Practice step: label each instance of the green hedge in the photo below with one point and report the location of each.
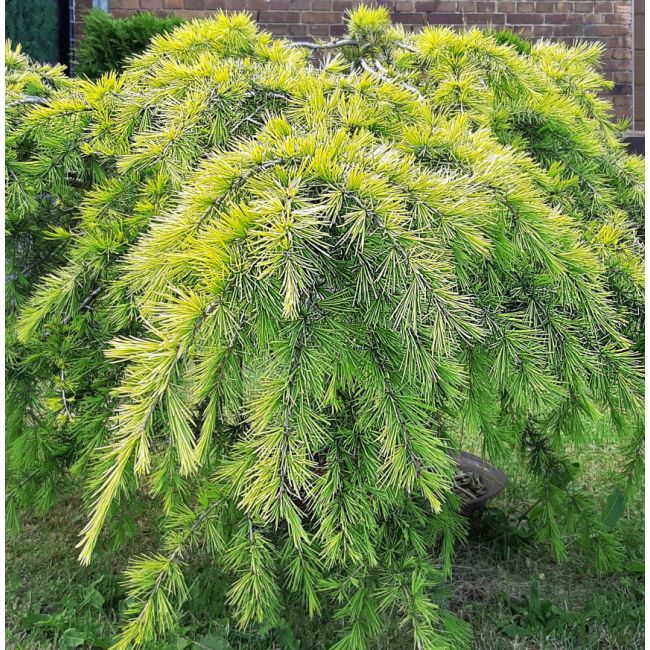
(508, 37)
(108, 42)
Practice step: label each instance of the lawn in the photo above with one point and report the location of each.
(514, 596)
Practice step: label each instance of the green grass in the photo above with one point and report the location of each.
(53, 603)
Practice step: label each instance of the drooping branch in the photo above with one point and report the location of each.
(133, 628)
(416, 461)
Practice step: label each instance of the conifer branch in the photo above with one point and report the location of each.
(345, 42)
(16, 489)
(237, 185)
(85, 305)
(288, 404)
(29, 99)
(415, 460)
(216, 387)
(64, 398)
(407, 47)
(386, 79)
(248, 118)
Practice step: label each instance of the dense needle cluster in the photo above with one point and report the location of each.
(283, 287)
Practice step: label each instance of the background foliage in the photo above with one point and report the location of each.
(35, 24)
(108, 42)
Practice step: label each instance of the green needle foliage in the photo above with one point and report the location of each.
(36, 217)
(286, 291)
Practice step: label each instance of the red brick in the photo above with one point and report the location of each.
(280, 29)
(279, 17)
(318, 17)
(250, 5)
(485, 19)
(322, 5)
(322, 31)
(624, 77)
(526, 31)
(173, 4)
(194, 5)
(554, 19)
(621, 53)
(445, 19)
(605, 30)
(539, 31)
(191, 14)
(125, 4)
(623, 89)
(298, 5)
(404, 5)
(524, 19)
(619, 41)
(418, 18)
(450, 6)
(583, 7)
(486, 7)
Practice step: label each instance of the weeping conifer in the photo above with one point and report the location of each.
(282, 291)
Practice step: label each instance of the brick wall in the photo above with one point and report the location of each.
(80, 8)
(609, 21)
(639, 65)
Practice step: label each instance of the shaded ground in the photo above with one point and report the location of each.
(513, 597)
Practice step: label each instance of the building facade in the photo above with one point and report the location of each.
(617, 23)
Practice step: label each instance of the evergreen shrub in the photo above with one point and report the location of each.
(510, 37)
(107, 42)
(286, 292)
